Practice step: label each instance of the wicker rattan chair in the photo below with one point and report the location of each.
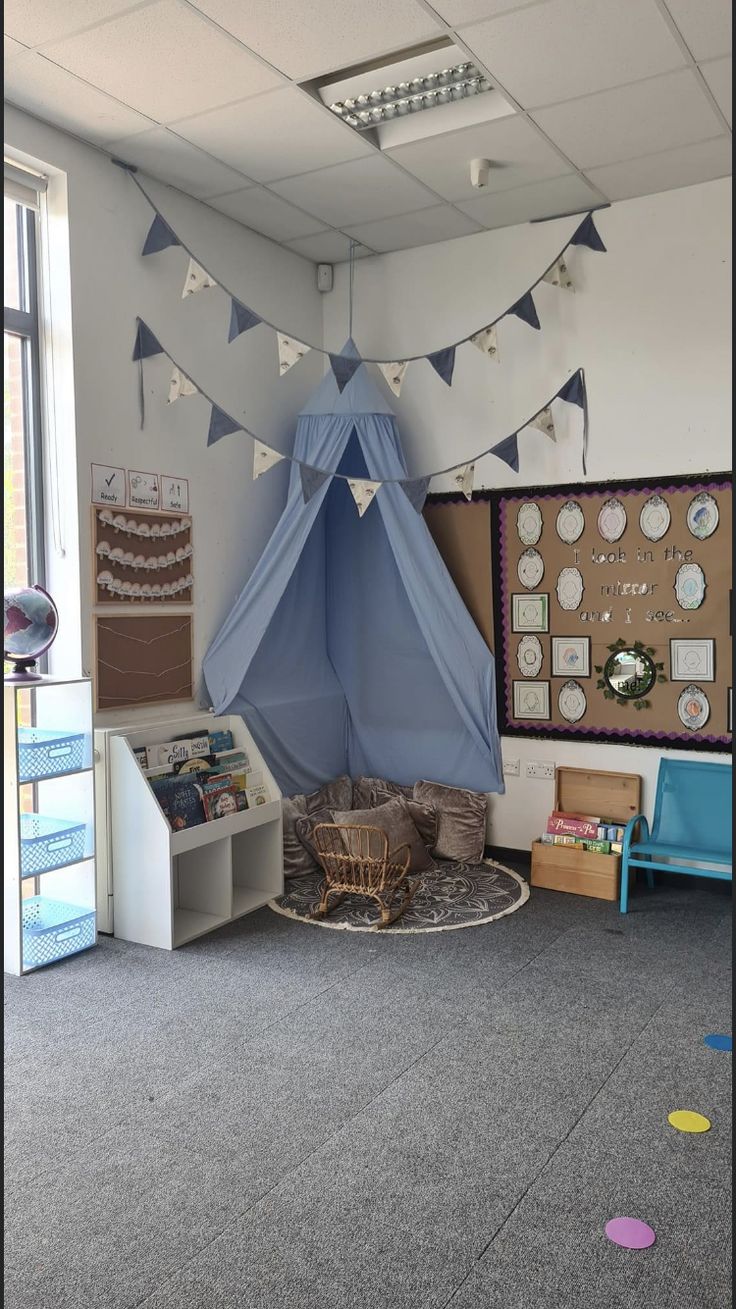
(356, 861)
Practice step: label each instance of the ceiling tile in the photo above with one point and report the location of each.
(459, 13)
(164, 60)
(642, 119)
(34, 84)
(326, 248)
(275, 135)
(718, 76)
(664, 172)
(167, 157)
(569, 48)
(306, 39)
(47, 20)
(423, 228)
(11, 49)
(518, 152)
(356, 192)
(266, 213)
(705, 25)
(558, 195)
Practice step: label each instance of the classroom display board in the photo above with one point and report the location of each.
(142, 558)
(142, 659)
(604, 586)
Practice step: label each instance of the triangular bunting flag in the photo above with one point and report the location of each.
(241, 319)
(573, 391)
(160, 237)
(221, 424)
(463, 479)
(587, 234)
(197, 279)
(180, 385)
(443, 362)
(363, 492)
(525, 309)
(312, 480)
(394, 375)
(559, 275)
(343, 366)
(508, 450)
(416, 492)
(264, 458)
(145, 343)
(487, 342)
(545, 423)
(290, 352)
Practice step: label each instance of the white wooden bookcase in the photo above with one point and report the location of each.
(171, 887)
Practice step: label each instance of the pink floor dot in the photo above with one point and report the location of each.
(631, 1233)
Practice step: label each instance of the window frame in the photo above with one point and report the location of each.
(25, 324)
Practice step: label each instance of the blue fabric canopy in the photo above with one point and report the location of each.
(349, 649)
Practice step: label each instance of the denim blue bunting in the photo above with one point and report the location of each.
(344, 366)
(526, 310)
(146, 344)
(160, 237)
(221, 424)
(587, 234)
(312, 479)
(241, 319)
(443, 362)
(508, 450)
(416, 492)
(573, 391)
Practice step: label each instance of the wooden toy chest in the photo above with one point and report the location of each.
(612, 796)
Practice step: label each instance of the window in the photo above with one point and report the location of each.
(22, 469)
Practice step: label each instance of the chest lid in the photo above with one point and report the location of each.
(615, 796)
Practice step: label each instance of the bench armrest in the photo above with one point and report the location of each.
(631, 827)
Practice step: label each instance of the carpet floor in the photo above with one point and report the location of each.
(276, 1118)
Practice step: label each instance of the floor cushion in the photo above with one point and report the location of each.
(461, 829)
(394, 819)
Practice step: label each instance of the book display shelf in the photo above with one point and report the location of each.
(49, 871)
(172, 886)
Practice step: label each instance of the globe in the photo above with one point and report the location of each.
(30, 624)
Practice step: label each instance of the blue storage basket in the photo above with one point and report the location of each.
(48, 843)
(52, 930)
(46, 753)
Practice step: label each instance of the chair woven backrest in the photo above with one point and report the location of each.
(352, 856)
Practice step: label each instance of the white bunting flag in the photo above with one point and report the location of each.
(546, 423)
(363, 492)
(394, 375)
(180, 385)
(558, 275)
(290, 352)
(487, 342)
(463, 479)
(197, 279)
(263, 458)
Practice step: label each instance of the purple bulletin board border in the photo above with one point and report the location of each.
(499, 500)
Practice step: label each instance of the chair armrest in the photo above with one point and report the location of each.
(631, 827)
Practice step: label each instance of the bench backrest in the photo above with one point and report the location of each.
(693, 805)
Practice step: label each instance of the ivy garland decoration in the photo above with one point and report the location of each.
(640, 648)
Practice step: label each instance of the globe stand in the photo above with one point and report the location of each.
(21, 671)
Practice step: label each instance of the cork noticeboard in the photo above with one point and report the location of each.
(557, 625)
(142, 659)
(141, 558)
(606, 578)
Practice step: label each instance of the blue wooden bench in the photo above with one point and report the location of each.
(691, 823)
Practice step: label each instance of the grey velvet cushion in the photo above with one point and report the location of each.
(424, 816)
(305, 830)
(364, 791)
(338, 794)
(394, 819)
(461, 830)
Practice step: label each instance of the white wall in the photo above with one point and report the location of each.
(649, 322)
(111, 284)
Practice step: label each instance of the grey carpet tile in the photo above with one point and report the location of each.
(283, 1115)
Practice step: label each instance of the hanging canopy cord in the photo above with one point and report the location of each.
(351, 286)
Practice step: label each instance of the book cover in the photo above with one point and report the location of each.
(598, 847)
(568, 840)
(181, 801)
(177, 751)
(220, 803)
(256, 795)
(562, 824)
(219, 741)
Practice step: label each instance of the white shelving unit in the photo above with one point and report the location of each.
(170, 887)
(49, 885)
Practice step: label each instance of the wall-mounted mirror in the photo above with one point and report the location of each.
(630, 673)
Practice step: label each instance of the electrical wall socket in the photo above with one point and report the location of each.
(543, 770)
(511, 767)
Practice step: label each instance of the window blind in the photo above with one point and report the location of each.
(23, 185)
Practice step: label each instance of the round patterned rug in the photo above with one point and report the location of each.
(450, 896)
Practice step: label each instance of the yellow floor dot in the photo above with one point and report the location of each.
(685, 1120)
